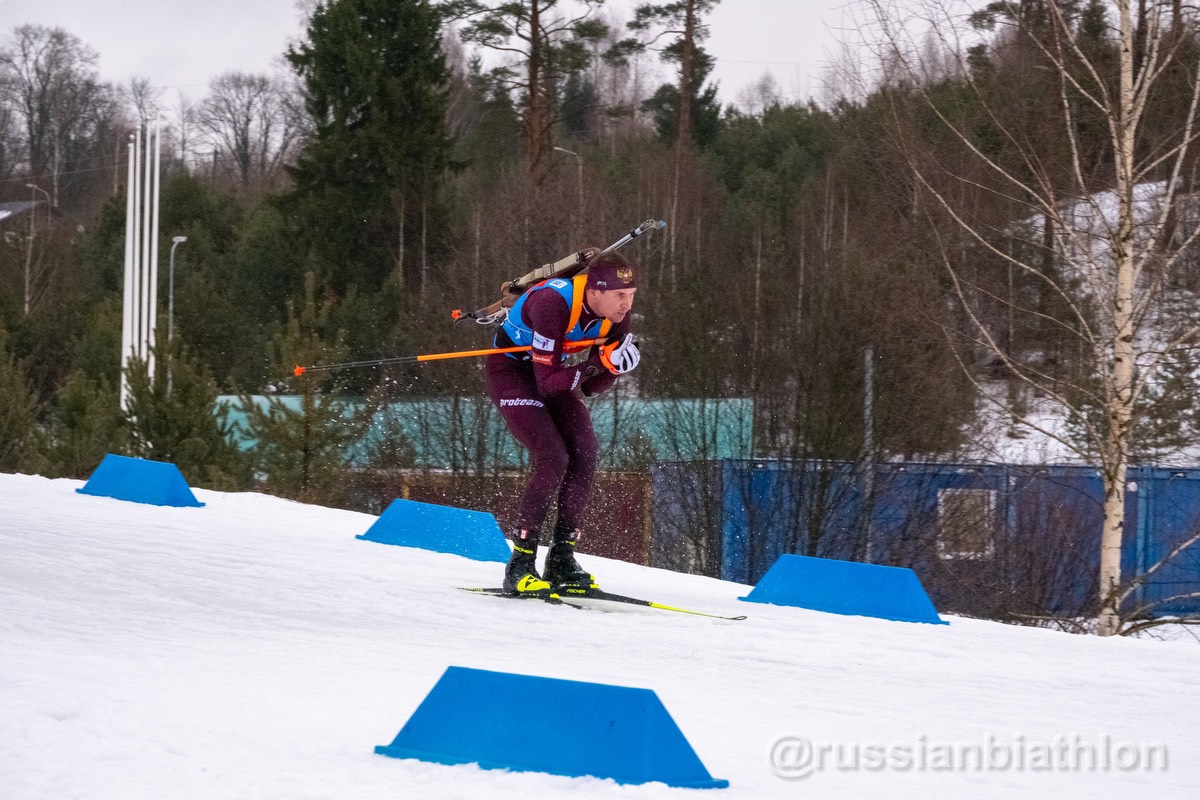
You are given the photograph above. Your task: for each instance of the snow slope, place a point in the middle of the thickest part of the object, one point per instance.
(255, 649)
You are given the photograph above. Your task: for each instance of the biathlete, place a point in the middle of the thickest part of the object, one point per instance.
(540, 399)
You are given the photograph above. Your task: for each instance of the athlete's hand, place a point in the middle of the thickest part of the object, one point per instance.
(620, 357)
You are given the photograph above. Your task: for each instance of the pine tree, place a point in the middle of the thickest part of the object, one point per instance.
(368, 182)
(301, 443)
(550, 45)
(174, 418)
(20, 436)
(85, 424)
(578, 106)
(683, 18)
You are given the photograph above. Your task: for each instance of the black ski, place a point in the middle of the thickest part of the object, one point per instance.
(594, 598)
(496, 591)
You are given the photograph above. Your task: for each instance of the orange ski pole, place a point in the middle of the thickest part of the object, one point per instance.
(487, 351)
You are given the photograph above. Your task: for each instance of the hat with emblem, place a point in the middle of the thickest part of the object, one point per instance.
(611, 272)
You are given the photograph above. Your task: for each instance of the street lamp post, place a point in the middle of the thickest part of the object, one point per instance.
(175, 242)
(29, 247)
(579, 161)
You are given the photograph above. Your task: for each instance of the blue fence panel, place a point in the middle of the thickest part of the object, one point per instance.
(1170, 504)
(1045, 528)
(1053, 547)
(907, 517)
(771, 508)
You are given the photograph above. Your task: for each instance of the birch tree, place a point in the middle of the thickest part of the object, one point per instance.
(1080, 204)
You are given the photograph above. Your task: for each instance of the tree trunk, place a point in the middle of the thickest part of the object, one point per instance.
(687, 77)
(57, 162)
(424, 240)
(29, 260)
(400, 240)
(535, 113)
(475, 261)
(801, 269)
(683, 126)
(306, 451)
(673, 235)
(755, 333)
(1110, 549)
(1120, 373)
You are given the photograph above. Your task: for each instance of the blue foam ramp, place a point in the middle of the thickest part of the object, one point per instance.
(139, 480)
(443, 529)
(846, 587)
(475, 716)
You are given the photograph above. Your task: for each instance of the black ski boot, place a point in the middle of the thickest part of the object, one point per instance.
(521, 575)
(562, 570)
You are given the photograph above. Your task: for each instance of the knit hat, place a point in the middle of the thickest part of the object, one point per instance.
(611, 272)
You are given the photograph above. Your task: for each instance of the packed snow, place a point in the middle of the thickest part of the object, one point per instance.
(254, 648)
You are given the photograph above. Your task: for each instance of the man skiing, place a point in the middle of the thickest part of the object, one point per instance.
(540, 399)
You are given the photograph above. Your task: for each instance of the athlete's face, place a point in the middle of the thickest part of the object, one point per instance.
(613, 304)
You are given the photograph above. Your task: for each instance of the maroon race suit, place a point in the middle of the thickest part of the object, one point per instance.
(540, 400)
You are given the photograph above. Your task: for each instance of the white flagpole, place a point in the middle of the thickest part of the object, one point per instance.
(127, 297)
(135, 348)
(152, 305)
(145, 293)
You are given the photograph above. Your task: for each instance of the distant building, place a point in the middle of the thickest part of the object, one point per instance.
(467, 434)
(11, 212)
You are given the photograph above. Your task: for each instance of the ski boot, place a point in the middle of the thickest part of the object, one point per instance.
(562, 570)
(521, 575)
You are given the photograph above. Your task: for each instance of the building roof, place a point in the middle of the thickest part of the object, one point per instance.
(442, 433)
(17, 208)
(10, 211)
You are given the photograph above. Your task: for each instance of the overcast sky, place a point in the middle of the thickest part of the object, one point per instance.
(181, 44)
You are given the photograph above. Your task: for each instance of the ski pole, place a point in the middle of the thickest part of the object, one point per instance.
(487, 351)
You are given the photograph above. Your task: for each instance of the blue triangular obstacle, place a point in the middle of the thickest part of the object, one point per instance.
(139, 480)
(443, 529)
(475, 716)
(846, 587)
